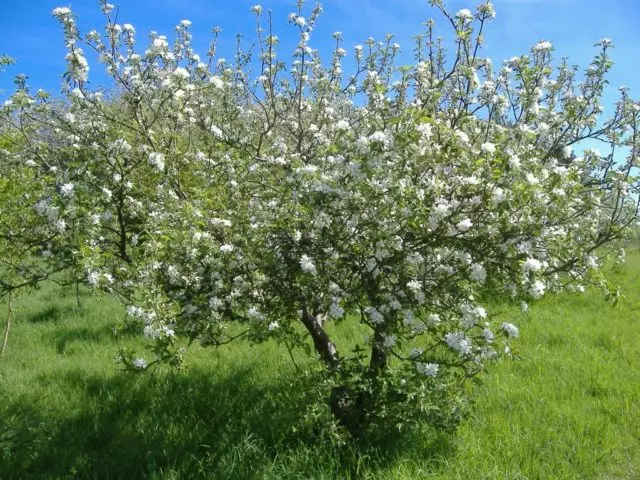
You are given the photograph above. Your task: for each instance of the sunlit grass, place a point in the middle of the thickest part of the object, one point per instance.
(570, 408)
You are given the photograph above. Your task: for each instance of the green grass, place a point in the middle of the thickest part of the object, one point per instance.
(569, 409)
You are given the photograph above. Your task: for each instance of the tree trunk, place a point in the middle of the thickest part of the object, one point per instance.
(321, 342)
(378, 361)
(349, 406)
(8, 327)
(341, 401)
(77, 281)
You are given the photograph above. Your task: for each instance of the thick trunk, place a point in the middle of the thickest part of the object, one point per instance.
(323, 345)
(341, 401)
(348, 406)
(378, 361)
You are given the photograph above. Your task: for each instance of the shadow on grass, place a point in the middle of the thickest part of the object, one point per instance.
(65, 338)
(179, 426)
(195, 424)
(50, 314)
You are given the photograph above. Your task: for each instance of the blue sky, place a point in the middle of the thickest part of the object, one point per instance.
(32, 36)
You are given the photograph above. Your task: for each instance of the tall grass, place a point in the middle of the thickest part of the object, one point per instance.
(569, 409)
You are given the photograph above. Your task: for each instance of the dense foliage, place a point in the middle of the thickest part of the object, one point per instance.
(257, 199)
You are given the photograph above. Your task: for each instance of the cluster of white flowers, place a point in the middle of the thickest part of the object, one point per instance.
(488, 147)
(307, 265)
(161, 331)
(336, 311)
(531, 265)
(67, 189)
(78, 64)
(477, 273)
(61, 12)
(157, 160)
(543, 46)
(510, 329)
(374, 315)
(464, 15)
(428, 369)
(140, 363)
(537, 289)
(459, 342)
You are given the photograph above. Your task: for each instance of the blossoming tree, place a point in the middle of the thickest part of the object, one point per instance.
(261, 200)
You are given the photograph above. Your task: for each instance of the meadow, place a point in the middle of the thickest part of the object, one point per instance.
(569, 408)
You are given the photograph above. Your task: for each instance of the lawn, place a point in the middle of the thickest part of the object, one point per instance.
(568, 409)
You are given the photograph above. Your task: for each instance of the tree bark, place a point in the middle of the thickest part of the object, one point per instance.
(321, 342)
(378, 361)
(77, 281)
(341, 402)
(8, 327)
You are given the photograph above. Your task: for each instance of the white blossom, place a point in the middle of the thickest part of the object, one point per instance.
(140, 363)
(375, 316)
(389, 341)
(464, 14)
(182, 73)
(61, 12)
(510, 329)
(464, 225)
(415, 352)
(531, 265)
(477, 273)
(336, 311)
(537, 289)
(488, 147)
(428, 369)
(157, 160)
(542, 46)
(307, 265)
(67, 189)
(488, 335)
(459, 342)
(342, 125)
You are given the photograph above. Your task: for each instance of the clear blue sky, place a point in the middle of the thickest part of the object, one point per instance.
(33, 37)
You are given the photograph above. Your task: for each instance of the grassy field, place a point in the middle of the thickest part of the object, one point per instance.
(569, 409)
